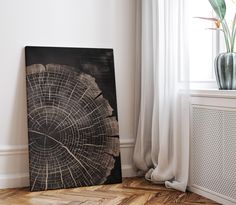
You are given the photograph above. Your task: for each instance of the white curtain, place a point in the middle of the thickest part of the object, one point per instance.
(162, 143)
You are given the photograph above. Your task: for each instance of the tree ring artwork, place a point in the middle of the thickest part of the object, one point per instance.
(72, 117)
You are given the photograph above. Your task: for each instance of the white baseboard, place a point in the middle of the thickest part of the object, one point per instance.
(14, 164)
(22, 179)
(213, 196)
(14, 180)
(7, 150)
(128, 171)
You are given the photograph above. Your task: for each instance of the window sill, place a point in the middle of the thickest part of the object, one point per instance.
(213, 93)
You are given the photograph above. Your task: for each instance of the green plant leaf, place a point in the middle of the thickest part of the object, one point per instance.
(219, 7)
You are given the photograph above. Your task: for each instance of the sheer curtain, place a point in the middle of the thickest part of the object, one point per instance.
(162, 143)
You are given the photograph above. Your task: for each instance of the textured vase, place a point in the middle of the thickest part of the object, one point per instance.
(225, 69)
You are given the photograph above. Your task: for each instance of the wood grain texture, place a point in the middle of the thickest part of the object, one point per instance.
(133, 191)
(71, 129)
(72, 123)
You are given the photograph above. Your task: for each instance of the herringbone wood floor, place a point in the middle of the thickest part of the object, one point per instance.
(133, 191)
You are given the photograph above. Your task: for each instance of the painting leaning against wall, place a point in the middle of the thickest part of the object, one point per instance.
(72, 118)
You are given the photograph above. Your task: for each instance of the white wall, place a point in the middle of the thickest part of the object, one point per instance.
(70, 23)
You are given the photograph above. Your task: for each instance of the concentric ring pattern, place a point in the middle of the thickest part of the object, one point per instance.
(72, 133)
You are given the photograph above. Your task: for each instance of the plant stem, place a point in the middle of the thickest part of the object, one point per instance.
(230, 37)
(227, 36)
(233, 33)
(233, 40)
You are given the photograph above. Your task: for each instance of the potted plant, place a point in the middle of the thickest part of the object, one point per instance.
(225, 63)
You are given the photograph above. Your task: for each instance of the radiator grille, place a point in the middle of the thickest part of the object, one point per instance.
(214, 150)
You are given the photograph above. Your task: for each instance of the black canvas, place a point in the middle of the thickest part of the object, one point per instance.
(72, 117)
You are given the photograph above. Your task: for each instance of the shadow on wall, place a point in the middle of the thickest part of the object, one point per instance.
(17, 139)
(18, 126)
(13, 156)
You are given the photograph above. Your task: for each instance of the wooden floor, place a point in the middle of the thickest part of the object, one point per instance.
(134, 191)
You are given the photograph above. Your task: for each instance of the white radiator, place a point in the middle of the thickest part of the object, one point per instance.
(213, 149)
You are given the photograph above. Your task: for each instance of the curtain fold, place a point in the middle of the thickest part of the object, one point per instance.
(162, 144)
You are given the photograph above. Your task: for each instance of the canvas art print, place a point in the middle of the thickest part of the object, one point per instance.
(72, 118)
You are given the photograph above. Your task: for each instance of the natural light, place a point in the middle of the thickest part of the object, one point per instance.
(205, 44)
(202, 42)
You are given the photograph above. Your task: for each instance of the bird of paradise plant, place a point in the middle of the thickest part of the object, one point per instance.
(225, 63)
(219, 6)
